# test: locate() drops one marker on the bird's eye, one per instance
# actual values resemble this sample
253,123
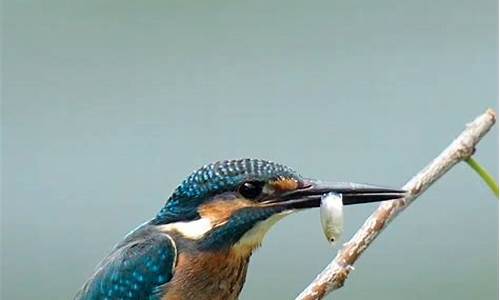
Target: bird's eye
251,189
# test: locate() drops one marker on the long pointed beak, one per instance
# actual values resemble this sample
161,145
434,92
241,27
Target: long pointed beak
352,193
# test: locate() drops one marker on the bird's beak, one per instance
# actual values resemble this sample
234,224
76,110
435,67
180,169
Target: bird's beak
310,193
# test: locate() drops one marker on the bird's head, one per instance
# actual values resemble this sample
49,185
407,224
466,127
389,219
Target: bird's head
233,203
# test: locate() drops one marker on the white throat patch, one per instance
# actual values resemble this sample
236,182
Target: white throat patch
253,238
193,229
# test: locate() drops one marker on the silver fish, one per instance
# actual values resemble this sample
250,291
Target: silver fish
332,216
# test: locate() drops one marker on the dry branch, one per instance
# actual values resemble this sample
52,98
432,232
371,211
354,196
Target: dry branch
334,275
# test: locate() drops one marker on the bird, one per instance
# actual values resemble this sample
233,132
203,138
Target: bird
199,244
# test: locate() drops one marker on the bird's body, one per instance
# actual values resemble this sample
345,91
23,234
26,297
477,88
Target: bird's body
218,275
200,243
152,264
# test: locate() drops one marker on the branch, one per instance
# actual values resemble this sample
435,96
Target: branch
334,275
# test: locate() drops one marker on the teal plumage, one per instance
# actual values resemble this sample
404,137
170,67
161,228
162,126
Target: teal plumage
138,268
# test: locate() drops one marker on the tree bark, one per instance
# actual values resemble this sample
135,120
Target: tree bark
335,274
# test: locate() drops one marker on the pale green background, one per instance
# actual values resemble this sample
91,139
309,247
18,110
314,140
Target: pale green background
108,105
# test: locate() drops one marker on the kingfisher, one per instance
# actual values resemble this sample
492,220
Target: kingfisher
199,244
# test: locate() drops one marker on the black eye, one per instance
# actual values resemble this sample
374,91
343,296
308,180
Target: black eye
251,189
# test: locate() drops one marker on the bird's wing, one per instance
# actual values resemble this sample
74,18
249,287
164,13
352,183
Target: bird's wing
140,269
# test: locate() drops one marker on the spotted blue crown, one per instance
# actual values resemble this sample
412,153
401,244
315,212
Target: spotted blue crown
216,178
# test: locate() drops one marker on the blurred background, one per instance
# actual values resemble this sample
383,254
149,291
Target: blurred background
108,105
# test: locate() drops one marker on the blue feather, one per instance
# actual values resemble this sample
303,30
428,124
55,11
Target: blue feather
138,268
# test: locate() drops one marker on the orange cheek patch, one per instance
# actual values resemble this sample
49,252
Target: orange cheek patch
285,184
219,211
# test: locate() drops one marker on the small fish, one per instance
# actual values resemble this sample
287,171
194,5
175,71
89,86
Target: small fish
332,216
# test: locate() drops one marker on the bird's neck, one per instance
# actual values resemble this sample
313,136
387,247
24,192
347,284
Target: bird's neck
214,264
252,239
243,232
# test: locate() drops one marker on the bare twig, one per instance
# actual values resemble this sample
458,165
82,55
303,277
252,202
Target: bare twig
334,275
